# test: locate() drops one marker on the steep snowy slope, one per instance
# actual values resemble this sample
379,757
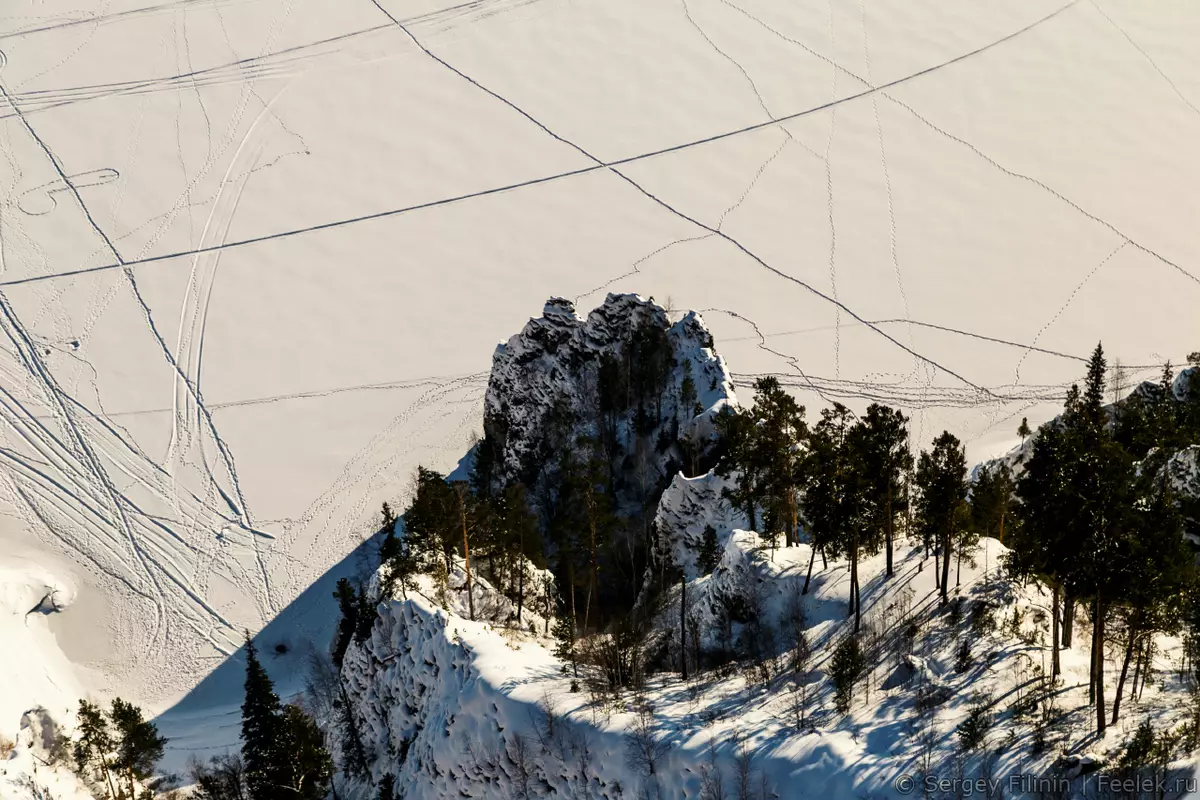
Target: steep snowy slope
452,708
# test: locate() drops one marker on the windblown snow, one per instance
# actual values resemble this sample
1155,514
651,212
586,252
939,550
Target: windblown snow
256,255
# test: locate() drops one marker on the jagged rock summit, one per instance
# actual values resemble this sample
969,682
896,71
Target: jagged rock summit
626,379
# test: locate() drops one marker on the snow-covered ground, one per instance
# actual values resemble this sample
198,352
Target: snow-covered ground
255,255
448,706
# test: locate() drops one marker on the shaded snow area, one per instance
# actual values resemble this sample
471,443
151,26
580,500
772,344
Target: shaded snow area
453,708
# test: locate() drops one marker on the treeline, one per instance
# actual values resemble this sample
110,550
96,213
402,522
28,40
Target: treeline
1101,525
849,485
1092,515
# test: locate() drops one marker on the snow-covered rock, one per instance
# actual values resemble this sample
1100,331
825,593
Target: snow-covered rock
545,382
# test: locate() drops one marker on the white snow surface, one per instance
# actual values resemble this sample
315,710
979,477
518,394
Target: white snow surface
328,213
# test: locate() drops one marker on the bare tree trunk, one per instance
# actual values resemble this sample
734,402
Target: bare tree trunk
812,557
946,569
1129,647
888,532
1055,667
1098,658
1068,620
683,626
462,513
520,578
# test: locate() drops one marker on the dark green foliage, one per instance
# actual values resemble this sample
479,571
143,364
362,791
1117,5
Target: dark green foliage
307,764
138,744
348,605
992,501
846,667
973,731
262,732
882,457
430,523
941,476
282,748
387,787
736,430
93,746
962,656
564,641
710,553
222,778
117,750
827,504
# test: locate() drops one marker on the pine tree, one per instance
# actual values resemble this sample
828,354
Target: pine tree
941,476
307,764
884,460
827,476
263,733
710,552
138,744
348,605
387,787
93,746
1023,429
1042,545
740,461
845,669
777,433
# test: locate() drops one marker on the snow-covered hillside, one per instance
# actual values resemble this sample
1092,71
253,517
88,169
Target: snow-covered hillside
453,708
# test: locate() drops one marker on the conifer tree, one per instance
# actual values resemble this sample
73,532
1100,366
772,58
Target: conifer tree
885,461
710,553
138,745
307,764
347,601
736,429
941,476
827,475
262,732
1023,429
93,746
778,432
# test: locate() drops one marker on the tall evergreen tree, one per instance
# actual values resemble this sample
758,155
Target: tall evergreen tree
93,747
262,732
827,474
138,745
307,765
941,476
741,462
885,461
778,433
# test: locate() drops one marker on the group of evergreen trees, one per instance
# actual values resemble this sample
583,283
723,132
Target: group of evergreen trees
1092,515
283,755
1099,522
845,480
116,750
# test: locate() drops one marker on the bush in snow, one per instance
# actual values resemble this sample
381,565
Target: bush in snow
845,670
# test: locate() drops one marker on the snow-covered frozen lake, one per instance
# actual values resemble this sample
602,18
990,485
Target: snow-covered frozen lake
256,254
